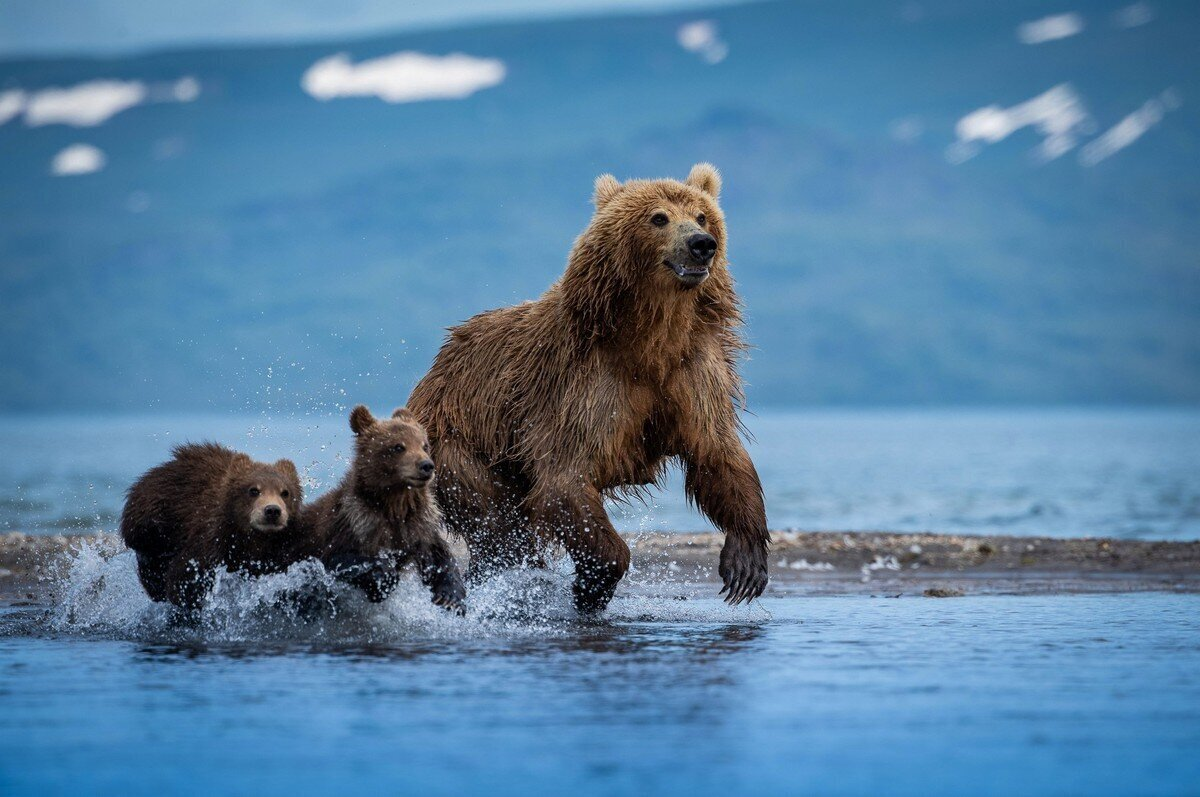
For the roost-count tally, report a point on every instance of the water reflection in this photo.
(640, 642)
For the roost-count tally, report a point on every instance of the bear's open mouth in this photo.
(688, 276)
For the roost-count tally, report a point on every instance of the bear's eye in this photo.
(702, 219)
(398, 448)
(254, 492)
(285, 494)
(659, 219)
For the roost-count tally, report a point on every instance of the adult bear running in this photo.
(629, 360)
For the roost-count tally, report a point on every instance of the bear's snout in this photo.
(702, 247)
(425, 468)
(268, 515)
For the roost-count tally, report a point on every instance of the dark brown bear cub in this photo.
(384, 514)
(207, 508)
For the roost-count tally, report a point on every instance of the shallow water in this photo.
(671, 693)
(1050, 472)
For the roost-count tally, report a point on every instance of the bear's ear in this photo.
(705, 177)
(288, 469)
(404, 414)
(607, 187)
(361, 419)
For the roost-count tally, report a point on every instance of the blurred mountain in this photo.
(256, 247)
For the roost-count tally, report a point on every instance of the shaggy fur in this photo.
(207, 508)
(384, 513)
(539, 411)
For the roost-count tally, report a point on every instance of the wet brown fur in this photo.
(537, 412)
(194, 514)
(384, 513)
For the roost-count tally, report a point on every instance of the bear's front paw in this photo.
(450, 593)
(743, 569)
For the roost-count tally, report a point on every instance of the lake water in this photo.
(983, 695)
(1060, 472)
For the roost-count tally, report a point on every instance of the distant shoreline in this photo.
(824, 562)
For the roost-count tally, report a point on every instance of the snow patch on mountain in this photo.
(403, 77)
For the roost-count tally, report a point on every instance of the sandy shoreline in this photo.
(816, 563)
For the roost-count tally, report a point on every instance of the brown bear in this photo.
(537, 412)
(210, 507)
(384, 513)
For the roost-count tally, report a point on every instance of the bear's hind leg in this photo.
(577, 519)
(482, 506)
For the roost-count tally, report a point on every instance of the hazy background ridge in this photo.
(256, 248)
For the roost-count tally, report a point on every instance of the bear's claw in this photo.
(743, 570)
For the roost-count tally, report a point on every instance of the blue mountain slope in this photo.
(257, 247)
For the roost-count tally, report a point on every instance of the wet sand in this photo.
(819, 563)
(943, 565)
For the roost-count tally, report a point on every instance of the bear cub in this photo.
(210, 507)
(384, 514)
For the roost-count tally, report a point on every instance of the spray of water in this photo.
(96, 592)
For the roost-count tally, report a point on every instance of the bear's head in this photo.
(390, 453)
(265, 497)
(667, 232)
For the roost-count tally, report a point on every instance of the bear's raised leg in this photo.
(577, 519)
(482, 506)
(726, 488)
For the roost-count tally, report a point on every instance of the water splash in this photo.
(96, 592)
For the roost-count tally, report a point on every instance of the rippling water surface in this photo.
(670, 693)
(1051, 472)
